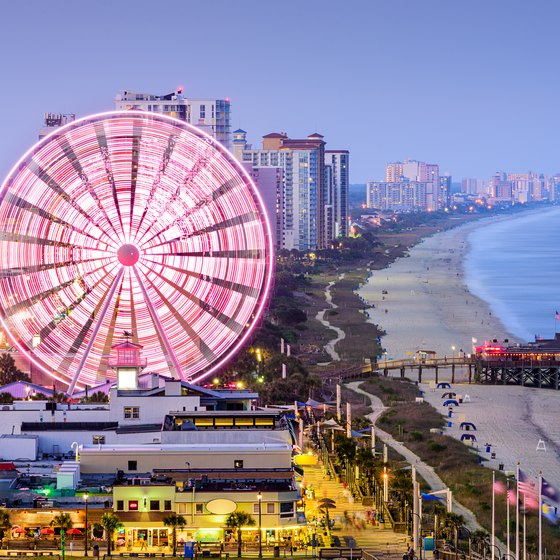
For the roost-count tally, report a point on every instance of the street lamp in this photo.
(86, 496)
(385, 485)
(453, 353)
(259, 499)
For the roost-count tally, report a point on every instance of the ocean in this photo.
(514, 265)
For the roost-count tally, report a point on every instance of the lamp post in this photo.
(86, 496)
(259, 499)
(385, 485)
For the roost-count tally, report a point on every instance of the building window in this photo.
(98, 440)
(203, 111)
(132, 465)
(181, 507)
(167, 505)
(199, 508)
(256, 508)
(154, 505)
(238, 464)
(128, 356)
(120, 505)
(286, 509)
(133, 505)
(131, 412)
(270, 507)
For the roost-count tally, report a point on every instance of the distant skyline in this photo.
(471, 86)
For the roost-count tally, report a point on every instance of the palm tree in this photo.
(62, 520)
(454, 522)
(173, 520)
(324, 505)
(5, 524)
(236, 521)
(480, 540)
(110, 522)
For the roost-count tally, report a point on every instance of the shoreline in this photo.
(422, 301)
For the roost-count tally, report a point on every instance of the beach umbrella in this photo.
(354, 433)
(324, 505)
(468, 426)
(449, 395)
(430, 497)
(73, 532)
(443, 386)
(450, 401)
(47, 531)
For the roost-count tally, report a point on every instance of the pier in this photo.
(483, 370)
(436, 364)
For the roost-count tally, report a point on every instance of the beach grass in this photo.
(455, 463)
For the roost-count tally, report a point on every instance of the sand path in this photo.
(340, 334)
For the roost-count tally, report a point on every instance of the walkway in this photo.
(424, 470)
(376, 539)
(329, 347)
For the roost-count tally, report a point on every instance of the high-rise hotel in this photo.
(408, 185)
(309, 202)
(210, 115)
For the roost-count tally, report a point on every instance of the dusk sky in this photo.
(471, 85)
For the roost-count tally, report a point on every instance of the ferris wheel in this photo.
(131, 221)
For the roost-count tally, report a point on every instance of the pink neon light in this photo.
(134, 190)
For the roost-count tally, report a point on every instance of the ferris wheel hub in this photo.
(128, 254)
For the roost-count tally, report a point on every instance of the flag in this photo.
(557, 316)
(550, 512)
(527, 487)
(499, 487)
(549, 491)
(511, 498)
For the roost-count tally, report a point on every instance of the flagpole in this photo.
(517, 514)
(507, 518)
(540, 515)
(524, 527)
(493, 544)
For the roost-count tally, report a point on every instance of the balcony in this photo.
(123, 362)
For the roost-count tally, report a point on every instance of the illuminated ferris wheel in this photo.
(131, 221)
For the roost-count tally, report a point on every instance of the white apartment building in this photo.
(210, 115)
(312, 201)
(418, 172)
(404, 195)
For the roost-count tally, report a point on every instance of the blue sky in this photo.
(471, 85)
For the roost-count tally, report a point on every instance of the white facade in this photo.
(413, 171)
(210, 115)
(133, 416)
(146, 458)
(304, 189)
(405, 195)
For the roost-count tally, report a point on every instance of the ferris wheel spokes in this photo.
(74, 160)
(108, 300)
(168, 349)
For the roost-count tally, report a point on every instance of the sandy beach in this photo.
(421, 300)
(427, 306)
(513, 420)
